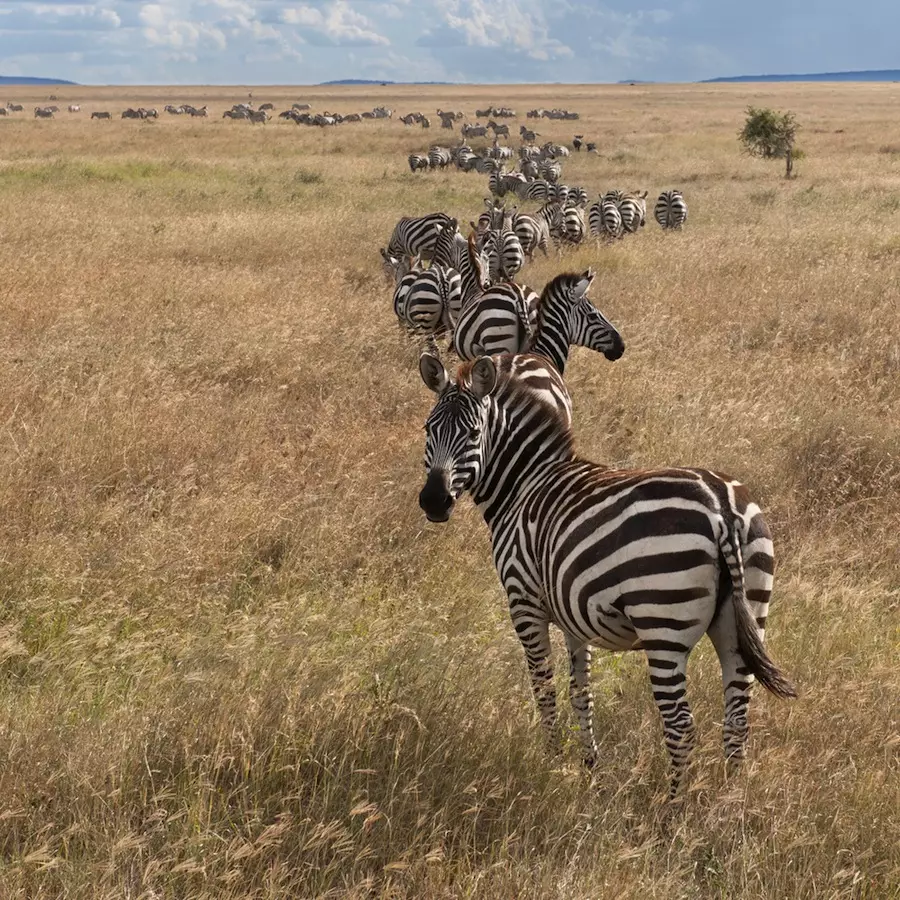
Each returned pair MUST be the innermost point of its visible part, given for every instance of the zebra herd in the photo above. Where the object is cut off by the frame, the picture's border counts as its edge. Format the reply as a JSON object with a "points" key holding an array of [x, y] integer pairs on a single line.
{"points": [[621, 559]]}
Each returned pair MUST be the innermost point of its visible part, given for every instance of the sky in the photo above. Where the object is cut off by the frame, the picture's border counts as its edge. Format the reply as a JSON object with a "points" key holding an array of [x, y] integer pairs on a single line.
{"points": [[482, 41]]}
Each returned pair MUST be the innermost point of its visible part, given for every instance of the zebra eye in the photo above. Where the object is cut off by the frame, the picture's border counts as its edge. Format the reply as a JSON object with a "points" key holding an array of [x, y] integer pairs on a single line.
{"points": [[474, 433]]}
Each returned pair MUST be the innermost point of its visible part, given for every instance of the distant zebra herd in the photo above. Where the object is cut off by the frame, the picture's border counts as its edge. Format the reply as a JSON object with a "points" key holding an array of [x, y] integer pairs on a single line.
{"points": [[299, 113], [624, 560]]}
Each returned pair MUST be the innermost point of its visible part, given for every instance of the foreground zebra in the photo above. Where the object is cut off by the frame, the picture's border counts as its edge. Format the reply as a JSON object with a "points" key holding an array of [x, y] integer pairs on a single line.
{"points": [[671, 210], [630, 559]]}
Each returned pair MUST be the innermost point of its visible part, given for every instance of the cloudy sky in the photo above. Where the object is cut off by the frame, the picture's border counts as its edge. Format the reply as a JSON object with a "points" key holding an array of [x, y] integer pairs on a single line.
{"points": [[272, 42]]}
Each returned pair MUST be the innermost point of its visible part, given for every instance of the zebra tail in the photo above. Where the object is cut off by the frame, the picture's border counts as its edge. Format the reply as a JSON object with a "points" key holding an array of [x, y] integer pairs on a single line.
{"points": [[524, 321], [750, 644]]}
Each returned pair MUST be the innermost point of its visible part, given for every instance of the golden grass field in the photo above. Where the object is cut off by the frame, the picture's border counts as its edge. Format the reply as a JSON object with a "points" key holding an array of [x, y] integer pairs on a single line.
{"points": [[236, 660]]}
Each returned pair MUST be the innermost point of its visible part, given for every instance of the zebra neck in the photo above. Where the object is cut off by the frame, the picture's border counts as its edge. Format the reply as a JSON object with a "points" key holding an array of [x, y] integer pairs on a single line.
{"points": [[525, 442], [551, 339]]}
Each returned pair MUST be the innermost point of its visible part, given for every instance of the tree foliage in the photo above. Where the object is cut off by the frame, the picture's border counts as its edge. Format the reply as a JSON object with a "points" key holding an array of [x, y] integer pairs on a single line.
{"points": [[770, 135]]}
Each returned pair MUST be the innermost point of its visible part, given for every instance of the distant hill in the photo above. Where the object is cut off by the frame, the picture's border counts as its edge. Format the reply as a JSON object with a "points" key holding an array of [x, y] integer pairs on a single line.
{"points": [[25, 79], [376, 81], [868, 75]]}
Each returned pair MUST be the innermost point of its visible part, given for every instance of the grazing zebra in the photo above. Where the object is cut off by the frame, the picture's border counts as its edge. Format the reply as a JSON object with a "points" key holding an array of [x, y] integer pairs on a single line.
{"points": [[417, 161], [671, 210], [15, 107], [101, 115], [540, 190], [430, 303], [439, 157], [604, 218], [417, 235], [42, 113], [630, 559]]}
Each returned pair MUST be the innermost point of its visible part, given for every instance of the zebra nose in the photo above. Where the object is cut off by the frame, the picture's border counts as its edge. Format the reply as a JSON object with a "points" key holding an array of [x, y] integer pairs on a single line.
{"points": [[435, 499], [616, 350]]}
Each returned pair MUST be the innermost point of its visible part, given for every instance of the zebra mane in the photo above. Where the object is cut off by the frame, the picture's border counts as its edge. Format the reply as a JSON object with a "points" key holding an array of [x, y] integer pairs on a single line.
{"points": [[512, 391]]}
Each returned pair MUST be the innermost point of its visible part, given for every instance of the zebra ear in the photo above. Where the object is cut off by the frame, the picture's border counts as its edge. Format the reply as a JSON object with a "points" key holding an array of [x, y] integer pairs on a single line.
{"points": [[433, 373], [484, 377], [583, 283]]}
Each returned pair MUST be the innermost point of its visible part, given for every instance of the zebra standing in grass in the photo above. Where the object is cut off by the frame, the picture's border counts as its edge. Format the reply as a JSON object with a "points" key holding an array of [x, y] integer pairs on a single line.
{"points": [[536, 229], [505, 251], [671, 210], [631, 559], [439, 157], [633, 209], [574, 225], [417, 235], [604, 218], [417, 161], [539, 190], [430, 303]]}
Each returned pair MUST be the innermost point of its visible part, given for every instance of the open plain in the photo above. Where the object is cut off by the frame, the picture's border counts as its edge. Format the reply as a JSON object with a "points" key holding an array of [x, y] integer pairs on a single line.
{"points": [[235, 661]]}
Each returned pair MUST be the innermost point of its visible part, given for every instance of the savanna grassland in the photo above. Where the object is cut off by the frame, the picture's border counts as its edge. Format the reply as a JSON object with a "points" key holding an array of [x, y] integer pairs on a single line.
{"points": [[236, 662]]}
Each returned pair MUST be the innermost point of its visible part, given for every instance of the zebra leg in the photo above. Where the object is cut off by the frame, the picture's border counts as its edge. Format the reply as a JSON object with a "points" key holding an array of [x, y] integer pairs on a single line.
{"points": [[736, 681], [581, 697], [667, 679], [535, 637]]}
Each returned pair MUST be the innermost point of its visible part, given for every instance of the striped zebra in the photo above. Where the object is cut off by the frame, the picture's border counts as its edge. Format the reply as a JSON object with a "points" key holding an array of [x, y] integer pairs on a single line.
{"points": [[454, 251], [439, 157], [430, 303], [404, 271], [539, 190], [417, 161], [671, 210], [574, 225], [605, 219], [536, 229], [550, 170], [416, 235], [633, 208], [505, 252], [578, 196], [501, 320], [630, 559]]}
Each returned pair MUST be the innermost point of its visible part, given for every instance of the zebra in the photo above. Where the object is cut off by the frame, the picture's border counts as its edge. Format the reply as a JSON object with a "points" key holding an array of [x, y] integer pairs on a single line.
{"points": [[259, 115], [527, 135], [577, 142], [574, 225], [498, 129], [534, 190], [74, 107], [15, 107], [671, 210], [604, 218], [578, 196], [101, 115], [633, 207], [417, 235], [500, 320], [505, 252], [549, 170], [476, 130], [430, 304], [535, 230], [417, 161], [439, 157], [454, 251], [629, 559], [41, 112]]}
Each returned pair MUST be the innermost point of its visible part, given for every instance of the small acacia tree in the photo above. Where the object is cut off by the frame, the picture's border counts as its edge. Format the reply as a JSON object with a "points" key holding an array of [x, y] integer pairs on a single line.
{"points": [[770, 134]]}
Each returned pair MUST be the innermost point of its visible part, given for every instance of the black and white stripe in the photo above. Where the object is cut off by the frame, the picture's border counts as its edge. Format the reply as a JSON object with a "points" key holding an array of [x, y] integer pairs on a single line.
{"points": [[605, 220], [671, 210], [633, 209], [506, 255], [622, 559], [501, 320], [417, 161]]}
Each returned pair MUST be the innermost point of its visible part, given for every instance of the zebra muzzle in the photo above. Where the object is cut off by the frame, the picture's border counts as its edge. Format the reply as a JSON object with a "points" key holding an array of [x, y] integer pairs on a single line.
{"points": [[435, 498]]}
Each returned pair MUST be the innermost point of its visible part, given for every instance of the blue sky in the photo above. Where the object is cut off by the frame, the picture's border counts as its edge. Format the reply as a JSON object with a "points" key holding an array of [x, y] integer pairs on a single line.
{"points": [[275, 42]]}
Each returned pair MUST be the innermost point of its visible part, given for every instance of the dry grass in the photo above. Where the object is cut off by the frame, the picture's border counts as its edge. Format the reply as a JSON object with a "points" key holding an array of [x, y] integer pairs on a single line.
{"points": [[235, 661]]}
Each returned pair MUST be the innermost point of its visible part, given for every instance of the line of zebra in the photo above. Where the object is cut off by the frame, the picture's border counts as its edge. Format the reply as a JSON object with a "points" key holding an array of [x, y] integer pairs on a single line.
{"points": [[643, 560]]}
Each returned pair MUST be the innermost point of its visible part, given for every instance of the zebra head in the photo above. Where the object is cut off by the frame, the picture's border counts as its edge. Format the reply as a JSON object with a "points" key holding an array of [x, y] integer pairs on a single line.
{"points": [[454, 433], [586, 325]]}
